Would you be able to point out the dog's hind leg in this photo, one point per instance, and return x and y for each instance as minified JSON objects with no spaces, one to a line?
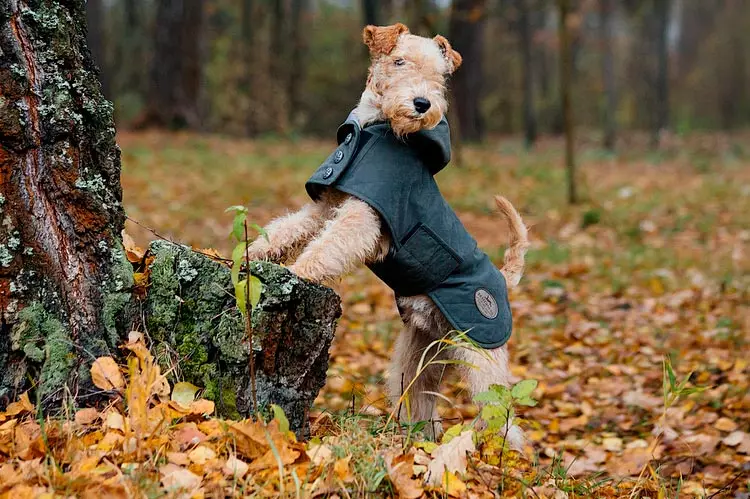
{"x":413,"y":381}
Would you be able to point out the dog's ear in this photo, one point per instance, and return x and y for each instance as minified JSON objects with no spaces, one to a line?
{"x":381,"y":40}
{"x":452,"y":57}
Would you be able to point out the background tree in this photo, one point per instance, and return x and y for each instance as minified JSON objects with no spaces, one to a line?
{"x":661,"y":118}
{"x":606,"y":35}
{"x":97,"y":41}
{"x":527,"y":64}
{"x":301,"y":19}
{"x":467,"y":37}
{"x":566,"y":77}
{"x":176,"y":67}
{"x":371,"y":12}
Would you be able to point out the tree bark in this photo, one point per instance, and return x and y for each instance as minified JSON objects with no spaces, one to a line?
{"x":279,"y":64}
{"x":525,"y":42}
{"x":606,"y":34}
{"x":64,"y":279}
{"x":566,"y":71}
{"x":175,"y":79}
{"x":67,"y":292}
{"x":195,"y":326}
{"x":467,"y":37}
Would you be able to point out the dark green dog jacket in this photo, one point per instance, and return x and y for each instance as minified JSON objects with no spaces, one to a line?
{"x":431,"y":253}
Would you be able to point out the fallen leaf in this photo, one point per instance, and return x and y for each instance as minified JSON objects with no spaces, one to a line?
{"x":106,"y":374}
{"x":400,"y":471}
{"x":175,"y":478}
{"x":179,"y":458}
{"x":450,"y":457}
{"x":22,"y":405}
{"x":202,"y":407}
{"x":319,"y":454}
{"x":734,"y":439}
{"x":341,"y":469}
{"x":189,"y":435}
{"x":86,"y":416}
{"x":453,"y":486}
{"x":612,"y":444}
{"x":201,"y":455}
{"x":184,"y":393}
{"x":725,"y":424}
{"x":115,"y":421}
{"x":235,"y":467}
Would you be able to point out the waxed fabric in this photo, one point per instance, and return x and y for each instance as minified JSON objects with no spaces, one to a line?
{"x":431,"y":251}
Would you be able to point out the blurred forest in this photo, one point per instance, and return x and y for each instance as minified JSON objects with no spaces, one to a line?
{"x":254,"y":67}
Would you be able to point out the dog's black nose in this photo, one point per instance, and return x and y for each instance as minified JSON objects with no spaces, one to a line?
{"x":421,"y":105}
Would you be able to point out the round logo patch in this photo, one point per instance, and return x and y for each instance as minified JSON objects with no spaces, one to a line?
{"x":485,"y":303}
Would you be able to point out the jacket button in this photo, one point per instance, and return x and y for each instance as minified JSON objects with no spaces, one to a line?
{"x":339,"y":156}
{"x":328,"y":172}
{"x":348,"y":139}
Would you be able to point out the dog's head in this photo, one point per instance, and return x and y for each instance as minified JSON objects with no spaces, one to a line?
{"x":406,"y":82}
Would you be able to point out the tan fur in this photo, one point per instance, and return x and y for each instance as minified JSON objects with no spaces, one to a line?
{"x":340,"y":232}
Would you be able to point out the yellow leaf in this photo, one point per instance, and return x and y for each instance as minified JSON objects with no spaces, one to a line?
{"x":202,"y":406}
{"x":453,"y":486}
{"x":201,"y":455}
{"x":23,"y":405}
{"x":341,"y":469}
{"x":235,"y":467}
{"x":184,"y":393}
{"x":106,"y":374}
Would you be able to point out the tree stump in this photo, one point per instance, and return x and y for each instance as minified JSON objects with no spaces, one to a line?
{"x":197,"y":331}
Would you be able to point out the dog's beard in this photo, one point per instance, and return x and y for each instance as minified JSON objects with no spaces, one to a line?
{"x":399,"y":110}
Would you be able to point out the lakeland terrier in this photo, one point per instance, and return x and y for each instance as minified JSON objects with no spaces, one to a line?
{"x":376,"y":203}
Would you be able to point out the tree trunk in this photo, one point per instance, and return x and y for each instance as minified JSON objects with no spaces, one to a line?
{"x":566,"y":99}
{"x":133,"y":45}
{"x":97,"y":42}
{"x":64,"y":280}
{"x":606,"y":34}
{"x":467,"y":37}
{"x":301,"y":21}
{"x":67,"y":292}
{"x":176,"y":66}
{"x":279,"y":61}
{"x":525,"y":42}
{"x":661,"y":119}
{"x":370,"y":12}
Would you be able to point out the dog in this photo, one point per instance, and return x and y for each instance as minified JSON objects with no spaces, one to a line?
{"x":402,"y":110}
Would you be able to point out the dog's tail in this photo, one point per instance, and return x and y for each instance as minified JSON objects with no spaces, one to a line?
{"x":519,"y":242}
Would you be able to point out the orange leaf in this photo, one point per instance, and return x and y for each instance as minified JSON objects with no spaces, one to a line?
{"x":106,"y":374}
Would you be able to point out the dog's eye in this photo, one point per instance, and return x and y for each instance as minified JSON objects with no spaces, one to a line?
{"x":399,"y":62}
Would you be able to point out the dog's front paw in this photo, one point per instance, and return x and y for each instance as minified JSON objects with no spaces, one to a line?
{"x":261,"y":249}
{"x":307,"y":272}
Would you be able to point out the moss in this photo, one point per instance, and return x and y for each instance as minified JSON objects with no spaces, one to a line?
{"x":223,"y":391}
{"x":163,"y":300}
{"x":45,"y":340}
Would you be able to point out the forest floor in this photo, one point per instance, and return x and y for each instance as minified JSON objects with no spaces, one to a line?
{"x":651,"y":272}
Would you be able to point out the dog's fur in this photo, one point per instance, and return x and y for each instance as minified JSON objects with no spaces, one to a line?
{"x":332,"y":236}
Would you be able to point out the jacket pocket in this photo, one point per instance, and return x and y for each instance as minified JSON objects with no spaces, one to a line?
{"x":424,"y":261}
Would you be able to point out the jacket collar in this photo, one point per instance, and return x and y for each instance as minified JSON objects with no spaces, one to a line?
{"x":433,"y":146}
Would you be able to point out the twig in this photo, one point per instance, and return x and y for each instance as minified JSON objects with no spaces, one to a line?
{"x":728,"y":485}
{"x":249,"y":322}
{"x":164,"y":238}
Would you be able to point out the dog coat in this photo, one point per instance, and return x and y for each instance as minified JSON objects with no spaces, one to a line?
{"x":431,"y":251}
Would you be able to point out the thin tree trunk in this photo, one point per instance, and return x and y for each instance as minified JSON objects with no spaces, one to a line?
{"x":97,"y":42}
{"x":175,"y":80}
{"x":301,"y":21}
{"x":565,"y":96}
{"x":467,"y":37}
{"x":661,"y":121}
{"x":371,"y":12}
{"x":133,"y":46}
{"x":279,"y":62}
{"x":525,"y":42}
{"x":64,"y":280}
{"x":606,"y":35}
